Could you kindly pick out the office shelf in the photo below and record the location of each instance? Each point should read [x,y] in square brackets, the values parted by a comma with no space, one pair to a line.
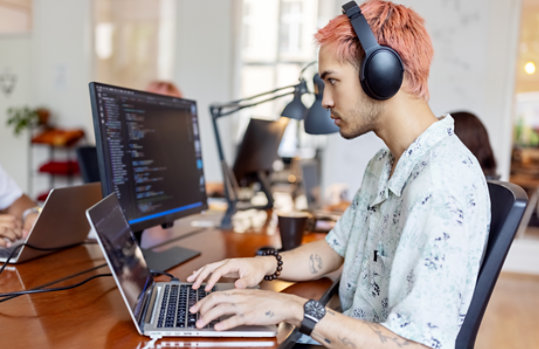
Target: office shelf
[60,160]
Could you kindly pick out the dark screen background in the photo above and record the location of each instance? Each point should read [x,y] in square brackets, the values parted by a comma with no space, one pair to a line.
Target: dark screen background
[151,154]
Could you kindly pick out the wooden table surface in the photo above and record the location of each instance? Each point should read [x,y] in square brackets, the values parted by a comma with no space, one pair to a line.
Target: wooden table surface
[94,314]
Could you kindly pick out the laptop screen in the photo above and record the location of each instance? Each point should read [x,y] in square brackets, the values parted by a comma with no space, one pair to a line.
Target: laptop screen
[122,252]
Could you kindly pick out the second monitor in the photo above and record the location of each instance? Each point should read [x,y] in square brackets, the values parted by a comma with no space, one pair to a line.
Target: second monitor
[149,153]
[257,153]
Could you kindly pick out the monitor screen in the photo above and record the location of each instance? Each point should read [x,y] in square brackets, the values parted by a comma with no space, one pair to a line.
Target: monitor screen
[258,149]
[149,154]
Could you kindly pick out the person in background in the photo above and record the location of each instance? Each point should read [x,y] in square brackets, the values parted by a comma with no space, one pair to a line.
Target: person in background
[410,244]
[165,88]
[17,211]
[474,135]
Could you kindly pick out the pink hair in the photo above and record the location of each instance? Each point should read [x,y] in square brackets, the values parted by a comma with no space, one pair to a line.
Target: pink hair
[164,87]
[395,26]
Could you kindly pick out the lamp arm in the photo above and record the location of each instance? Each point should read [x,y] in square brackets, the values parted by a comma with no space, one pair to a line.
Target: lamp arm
[224,109]
[219,110]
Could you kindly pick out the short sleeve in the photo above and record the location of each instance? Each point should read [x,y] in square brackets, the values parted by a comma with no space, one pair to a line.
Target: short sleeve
[433,281]
[9,190]
[338,237]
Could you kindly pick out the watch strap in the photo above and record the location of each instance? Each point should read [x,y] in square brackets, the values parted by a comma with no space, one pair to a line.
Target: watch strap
[311,316]
[307,325]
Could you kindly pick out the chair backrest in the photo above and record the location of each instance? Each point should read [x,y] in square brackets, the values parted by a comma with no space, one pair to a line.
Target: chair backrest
[508,202]
[87,158]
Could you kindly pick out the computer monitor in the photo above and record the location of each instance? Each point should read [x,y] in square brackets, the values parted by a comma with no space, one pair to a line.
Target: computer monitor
[149,153]
[257,153]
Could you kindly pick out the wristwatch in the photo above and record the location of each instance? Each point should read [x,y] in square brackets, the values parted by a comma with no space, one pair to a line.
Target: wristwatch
[313,312]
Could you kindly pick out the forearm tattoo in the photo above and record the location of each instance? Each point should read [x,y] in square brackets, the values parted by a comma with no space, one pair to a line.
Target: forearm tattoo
[315,263]
[269,313]
[347,342]
[398,341]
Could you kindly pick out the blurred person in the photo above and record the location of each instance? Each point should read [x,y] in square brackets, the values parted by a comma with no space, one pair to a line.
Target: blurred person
[474,135]
[17,211]
[165,88]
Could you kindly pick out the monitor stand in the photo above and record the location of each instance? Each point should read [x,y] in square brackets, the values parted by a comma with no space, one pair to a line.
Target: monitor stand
[167,259]
[159,258]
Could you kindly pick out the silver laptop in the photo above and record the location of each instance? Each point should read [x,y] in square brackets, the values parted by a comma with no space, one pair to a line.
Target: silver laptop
[158,309]
[61,223]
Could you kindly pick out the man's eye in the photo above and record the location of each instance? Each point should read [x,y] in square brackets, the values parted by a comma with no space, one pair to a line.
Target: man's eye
[331,81]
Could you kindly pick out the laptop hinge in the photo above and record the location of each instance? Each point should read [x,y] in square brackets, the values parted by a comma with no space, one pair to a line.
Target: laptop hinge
[149,302]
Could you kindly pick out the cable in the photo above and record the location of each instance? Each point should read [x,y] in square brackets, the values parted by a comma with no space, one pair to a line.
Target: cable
[18,247]
[14,251]
[12,295]
[15,294]
[157,273]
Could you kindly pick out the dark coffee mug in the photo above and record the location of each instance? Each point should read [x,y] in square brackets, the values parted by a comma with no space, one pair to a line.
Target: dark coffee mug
[291,227]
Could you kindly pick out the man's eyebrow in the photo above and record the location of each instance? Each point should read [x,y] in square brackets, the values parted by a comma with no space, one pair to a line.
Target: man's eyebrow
[325,74]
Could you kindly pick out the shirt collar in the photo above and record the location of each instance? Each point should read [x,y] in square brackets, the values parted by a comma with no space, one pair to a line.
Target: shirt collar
[436,132]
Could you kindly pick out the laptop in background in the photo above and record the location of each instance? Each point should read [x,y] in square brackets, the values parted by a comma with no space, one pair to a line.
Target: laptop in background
[158,309]
[310,180]
[61,222]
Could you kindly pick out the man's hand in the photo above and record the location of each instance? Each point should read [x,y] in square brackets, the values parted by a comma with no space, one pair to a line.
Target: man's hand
[248,271]
[28,223]
[248,307]
[10,229]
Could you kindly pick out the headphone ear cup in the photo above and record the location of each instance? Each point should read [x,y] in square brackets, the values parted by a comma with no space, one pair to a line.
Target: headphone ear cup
[382,73]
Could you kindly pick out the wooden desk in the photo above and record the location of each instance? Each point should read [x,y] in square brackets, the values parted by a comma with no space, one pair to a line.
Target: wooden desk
[94,314]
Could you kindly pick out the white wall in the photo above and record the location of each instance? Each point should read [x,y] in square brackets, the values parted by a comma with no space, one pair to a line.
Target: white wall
[61,61]
[15,59]
[53,67]
[204,66]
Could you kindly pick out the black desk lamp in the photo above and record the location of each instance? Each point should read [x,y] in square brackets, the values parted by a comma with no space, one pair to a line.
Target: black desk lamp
[294,110]
[317,119]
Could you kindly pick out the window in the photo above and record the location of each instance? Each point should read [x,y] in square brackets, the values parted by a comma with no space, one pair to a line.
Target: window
[277,42]
[125,32]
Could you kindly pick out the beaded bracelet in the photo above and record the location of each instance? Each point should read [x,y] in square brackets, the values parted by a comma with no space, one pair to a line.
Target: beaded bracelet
[275,275]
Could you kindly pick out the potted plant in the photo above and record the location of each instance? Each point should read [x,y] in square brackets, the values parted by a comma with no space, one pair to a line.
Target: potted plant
[21,118]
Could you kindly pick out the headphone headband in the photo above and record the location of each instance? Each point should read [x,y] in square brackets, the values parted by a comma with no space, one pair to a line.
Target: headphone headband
[361,27]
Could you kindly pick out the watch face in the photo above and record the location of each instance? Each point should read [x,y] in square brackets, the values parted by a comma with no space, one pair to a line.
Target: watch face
[314,309]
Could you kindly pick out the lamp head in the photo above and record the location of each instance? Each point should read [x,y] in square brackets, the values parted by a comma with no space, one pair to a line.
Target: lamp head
[296,109]
[317,119]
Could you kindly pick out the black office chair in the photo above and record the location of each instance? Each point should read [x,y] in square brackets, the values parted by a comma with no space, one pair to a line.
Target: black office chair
[507,204]
[87,158]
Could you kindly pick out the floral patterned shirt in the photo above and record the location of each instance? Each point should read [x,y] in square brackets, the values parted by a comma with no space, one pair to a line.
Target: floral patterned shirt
[412,244]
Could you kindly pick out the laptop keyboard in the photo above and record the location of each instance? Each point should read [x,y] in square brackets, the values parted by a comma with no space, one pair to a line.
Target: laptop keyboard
[177,299]
[6,251]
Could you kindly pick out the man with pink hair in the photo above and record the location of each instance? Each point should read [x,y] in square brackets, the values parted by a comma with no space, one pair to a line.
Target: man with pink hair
[410,244]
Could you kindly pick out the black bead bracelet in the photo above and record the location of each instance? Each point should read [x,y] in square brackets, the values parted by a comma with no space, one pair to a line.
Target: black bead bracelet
[275,275]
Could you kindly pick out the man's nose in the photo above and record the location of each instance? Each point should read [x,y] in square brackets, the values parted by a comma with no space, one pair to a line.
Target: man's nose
[327,100]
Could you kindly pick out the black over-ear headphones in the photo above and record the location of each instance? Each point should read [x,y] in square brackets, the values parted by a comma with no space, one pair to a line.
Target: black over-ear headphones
[382,70]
